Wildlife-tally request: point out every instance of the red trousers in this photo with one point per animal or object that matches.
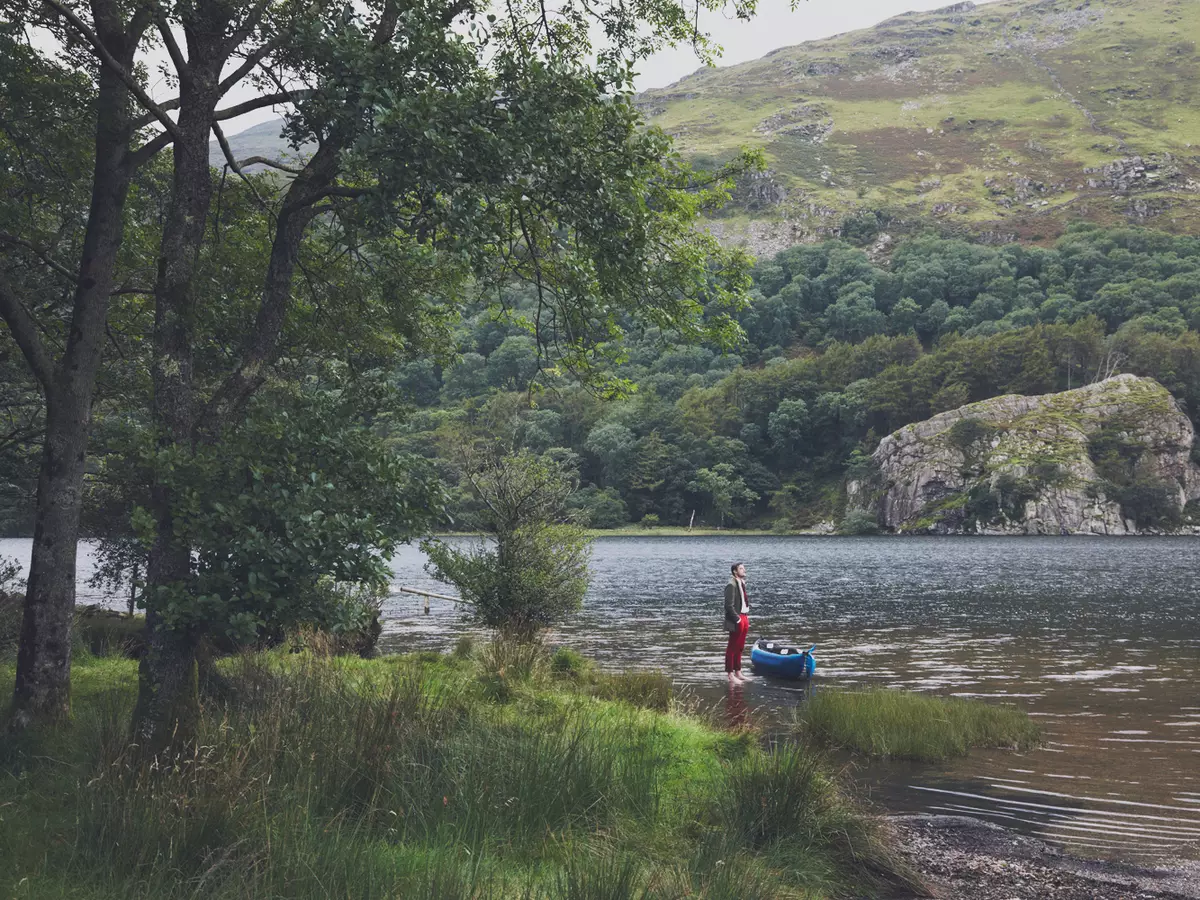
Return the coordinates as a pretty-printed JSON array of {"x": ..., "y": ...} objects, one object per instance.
[{"x": 737, "y": 643}]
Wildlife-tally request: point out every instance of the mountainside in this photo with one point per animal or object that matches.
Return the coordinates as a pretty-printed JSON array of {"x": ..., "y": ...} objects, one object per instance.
[
  {"x": 1006, "y": 120},
  {"x": 1114, "y": 457}
]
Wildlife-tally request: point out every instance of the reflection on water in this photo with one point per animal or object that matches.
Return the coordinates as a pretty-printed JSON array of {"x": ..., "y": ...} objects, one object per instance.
[{"x": 1096, "y": 637}]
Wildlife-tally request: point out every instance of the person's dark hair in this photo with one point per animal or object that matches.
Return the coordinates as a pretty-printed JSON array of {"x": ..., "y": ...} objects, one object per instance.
[{"x": 733, "y": 569}]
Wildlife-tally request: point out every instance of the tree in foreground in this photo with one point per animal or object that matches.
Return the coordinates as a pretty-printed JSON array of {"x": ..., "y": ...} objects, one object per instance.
[
  {"x": 531, "y": 571},
  {"x": 451, "y": 144}
]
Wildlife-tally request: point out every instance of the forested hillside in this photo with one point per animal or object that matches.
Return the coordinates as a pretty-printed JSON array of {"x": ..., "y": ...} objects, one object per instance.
[{"x": 838, "y": 352}]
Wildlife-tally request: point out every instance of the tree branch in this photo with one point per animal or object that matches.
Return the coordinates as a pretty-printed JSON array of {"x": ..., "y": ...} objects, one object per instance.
[
  {"x": 293, "y": 97},
  {"x": 247, "y": 66},
  {"x": 107, "y": 59},
  {"x": 25, "y": 333},
  {"x": 181, "y": 66},
  {"x": 149, "y": 150},
  {"x": 41, "y": 254},
  {"x": 150, "y": 118},
  {"x": 247, "y": 28},
  {"x": 264, "y": 161},
  {"x": 233, "y": 163}
]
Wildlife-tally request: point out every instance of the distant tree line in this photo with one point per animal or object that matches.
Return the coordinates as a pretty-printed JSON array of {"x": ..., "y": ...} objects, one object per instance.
[{"x": 839, "y": 351}]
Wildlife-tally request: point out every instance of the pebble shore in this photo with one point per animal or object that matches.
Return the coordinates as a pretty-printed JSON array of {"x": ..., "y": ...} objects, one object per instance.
[{"x": 960, "y": 858}]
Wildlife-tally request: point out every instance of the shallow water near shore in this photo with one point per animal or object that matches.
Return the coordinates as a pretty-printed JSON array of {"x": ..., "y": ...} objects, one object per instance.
[{"x": 1096, "y": 637}]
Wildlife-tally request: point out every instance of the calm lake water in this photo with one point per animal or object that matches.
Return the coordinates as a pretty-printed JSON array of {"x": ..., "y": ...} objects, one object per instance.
[{"x": 1097, "y": 638}]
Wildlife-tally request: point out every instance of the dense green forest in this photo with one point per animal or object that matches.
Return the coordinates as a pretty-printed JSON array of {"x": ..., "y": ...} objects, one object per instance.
[{"x": 839, "y": 350}]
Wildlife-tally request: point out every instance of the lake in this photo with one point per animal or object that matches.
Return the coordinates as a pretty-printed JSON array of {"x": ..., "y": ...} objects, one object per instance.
[{"x": 1096, "y": 637}]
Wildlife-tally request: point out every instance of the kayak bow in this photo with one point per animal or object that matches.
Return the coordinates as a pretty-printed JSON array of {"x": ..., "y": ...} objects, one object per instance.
[{"x": 773, "y": 658}]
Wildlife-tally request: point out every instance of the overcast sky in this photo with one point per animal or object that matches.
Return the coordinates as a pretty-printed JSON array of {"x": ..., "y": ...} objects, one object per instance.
[{"x": 776, "y": 25}]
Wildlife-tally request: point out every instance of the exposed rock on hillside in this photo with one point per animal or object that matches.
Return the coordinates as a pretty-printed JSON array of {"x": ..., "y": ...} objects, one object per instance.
[{"x": 1115, "y": 457}]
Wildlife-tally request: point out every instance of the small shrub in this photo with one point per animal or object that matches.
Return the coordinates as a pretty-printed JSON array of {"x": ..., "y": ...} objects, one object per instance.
[
  {"x": 12, "y": 605},
  {"x": 464, "y": 647},
  {"x": 859, "y": 522},
  {"x": 534, "y": 571},
  {"x": 11, "y": 612},
  {"x": 969, "y": 436},
  {"x": 530, "y": 579},
  {"x": 1151, "y": 502},
  {"x": 348, "y": 614},
  {"x": 566, "y": 663},
  {"x": 650, "y": 520}
]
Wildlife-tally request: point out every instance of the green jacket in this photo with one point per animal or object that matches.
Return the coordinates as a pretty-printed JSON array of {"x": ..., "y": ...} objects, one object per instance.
[{"x": 733, "y": 604}]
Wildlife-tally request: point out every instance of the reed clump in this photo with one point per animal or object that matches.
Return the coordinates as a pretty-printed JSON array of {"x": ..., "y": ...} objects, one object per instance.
[
  {"x": 903, "y": 725},
  {"x": 406, "y": 777}
]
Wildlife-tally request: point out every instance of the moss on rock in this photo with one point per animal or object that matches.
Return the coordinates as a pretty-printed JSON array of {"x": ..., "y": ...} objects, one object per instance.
[{"x": 1114, "y": 457}]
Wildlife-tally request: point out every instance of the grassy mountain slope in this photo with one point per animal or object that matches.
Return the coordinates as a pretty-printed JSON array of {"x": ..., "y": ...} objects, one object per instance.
[
  {"x": 1007, "y": 119},
  {"x": 264, "y": 139}
]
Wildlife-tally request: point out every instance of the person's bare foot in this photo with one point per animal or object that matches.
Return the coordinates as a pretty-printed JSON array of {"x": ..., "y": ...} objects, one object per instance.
[
  {"x": 741, "y": 679},
  {"x": 733, "y": 679}
]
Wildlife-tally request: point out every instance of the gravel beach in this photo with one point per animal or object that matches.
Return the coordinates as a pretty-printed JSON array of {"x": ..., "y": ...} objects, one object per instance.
[{"x": 960, "y": 858}]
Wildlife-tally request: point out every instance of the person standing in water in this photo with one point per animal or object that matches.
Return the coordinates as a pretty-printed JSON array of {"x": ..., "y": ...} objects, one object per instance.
[{"x": 737, "y": 622}]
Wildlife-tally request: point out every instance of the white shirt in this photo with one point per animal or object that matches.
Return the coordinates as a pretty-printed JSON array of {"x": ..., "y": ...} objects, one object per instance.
[{"x": 742, "y": 588}]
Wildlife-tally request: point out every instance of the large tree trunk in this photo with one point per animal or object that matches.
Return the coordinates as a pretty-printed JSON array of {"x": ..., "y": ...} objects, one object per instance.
[
  {"x": 168, "y": 706},
  {"x": 44, "y": 657},
  {"x": 43, "y": 682}
]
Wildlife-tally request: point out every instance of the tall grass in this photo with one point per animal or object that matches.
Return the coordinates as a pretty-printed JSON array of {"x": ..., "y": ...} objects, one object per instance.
[
  {"x": 319, "y": 777},
  {"x": 903, "y": 725}
]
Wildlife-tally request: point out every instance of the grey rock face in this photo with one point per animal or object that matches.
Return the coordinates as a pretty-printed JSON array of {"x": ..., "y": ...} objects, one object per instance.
[{"x": 927, "y": 469}]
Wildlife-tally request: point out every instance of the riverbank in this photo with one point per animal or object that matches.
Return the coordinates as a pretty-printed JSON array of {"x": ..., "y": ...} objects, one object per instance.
[
  {"x": 492, "y": 773},
  {"x": 960, "y": 858}
]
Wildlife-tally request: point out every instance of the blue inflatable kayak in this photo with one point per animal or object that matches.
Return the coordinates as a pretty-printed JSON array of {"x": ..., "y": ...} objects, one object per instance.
[{"x": 773, "y": 658}]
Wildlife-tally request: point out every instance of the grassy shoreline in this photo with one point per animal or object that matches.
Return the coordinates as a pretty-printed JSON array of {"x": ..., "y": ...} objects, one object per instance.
[
  {"x": 671, "y": 531},
  {"x": 496, "y": 772},
  {"x": 495, "y": 775}
]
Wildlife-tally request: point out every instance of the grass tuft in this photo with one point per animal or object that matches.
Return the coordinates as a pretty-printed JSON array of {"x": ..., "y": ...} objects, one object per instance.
[
  {"x": 647, "y": 690},
  {"x": 903, "y": 725}
]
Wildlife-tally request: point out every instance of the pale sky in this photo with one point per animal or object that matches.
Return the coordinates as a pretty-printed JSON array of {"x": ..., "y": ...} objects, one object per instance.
[{"x": 776, "y": 25}]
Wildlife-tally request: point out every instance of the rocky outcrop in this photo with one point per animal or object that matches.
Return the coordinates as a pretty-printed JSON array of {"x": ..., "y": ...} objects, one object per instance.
[{"x": 1114, "y": 457}]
